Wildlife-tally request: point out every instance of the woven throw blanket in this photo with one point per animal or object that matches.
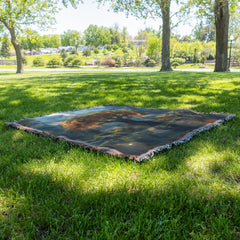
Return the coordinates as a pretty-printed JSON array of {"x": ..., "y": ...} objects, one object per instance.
[{"x": 125, "y": 131}]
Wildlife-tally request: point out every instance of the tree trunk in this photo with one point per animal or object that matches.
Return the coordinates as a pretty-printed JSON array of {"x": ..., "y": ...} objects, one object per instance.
[
  {"x": 17, "y": 48},
  {"x": 221, "y": 12},
  {"x": 165, "y": 8}
]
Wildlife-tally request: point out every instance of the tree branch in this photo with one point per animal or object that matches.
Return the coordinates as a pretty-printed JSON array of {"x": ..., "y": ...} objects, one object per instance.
[{"x": 5, "y": 23}]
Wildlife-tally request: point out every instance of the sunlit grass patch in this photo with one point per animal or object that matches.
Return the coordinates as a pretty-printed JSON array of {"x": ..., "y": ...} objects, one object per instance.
[{"x": 52, "y": 190}]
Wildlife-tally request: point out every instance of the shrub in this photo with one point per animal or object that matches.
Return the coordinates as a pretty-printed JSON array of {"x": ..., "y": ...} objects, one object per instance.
[
  {"x": 54, "y": 62},
  {"x": 211, "y": 57},
  {"x": 109, "y": 48},
  {"x": 153, "y": 48},
  {"x": 74, "y": 51},
  {"x": 63, "y": 54},
  {"x": 131, "y": 46},
  {"x": 76, "y": 62},
  {"x": 180, "y": 54},
  {"x": 126, "y": 59},
  {"x": 73, "y": 61},
  {"x": 138, "y": 62},
  {"x": 68, "y": 60},
  {"x": 175, "y": 64},
  {"x": 178, "y": 60},
  {"x": 24, "y": 60},
  {"x": 119, "y": 60},
  {"x": 150, "y": 62},
  {"x": 97, "y": 62},
  {"x": 38, "y": 62},
  {"x": 122, "y": 45},
  {"x": 195, "y": 56},
  {"x": 109, "y": 61},
  {"x": 96, "y": 50},
  {"x": 86, "y": 52},
  {"x": 105, "y": 52},
  {"x": 115, "y": 46},
  {"x": 125, "y": 50},
  {"x": 203, "y": 59},
  {"x": 118, "y": 52}
]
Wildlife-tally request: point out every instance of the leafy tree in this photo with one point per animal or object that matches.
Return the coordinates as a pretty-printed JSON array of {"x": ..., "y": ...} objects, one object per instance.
[
  {"x": 124, "y": 35},
  {"x": 193, "y": 50},
  {"x": 72, "y": 38},
  {"x": 48, "y": 41},
  {"x": 181, "y": 50},
  {"x": 205, "y": 33},
  {"x": 5, "y": 49},
  {"x": 115, "y": 35},
  {"x": 144, "y": 34},
  {"x": 145, "y": 8},
  {"x": 16, "y": 15},
  {"x": 221, "y": 13},
  {"x": 139, "y": 51},
  {"x": 154, "y": 48},
  {"x": 234, "y": 26},
  {"x": 97, "y": 36},
  {"x": 186, "y": 38},
  {"x": 51, "y": 41},
  {"x": 31, "y": 41},
  {"x": 221, "y": 10}
]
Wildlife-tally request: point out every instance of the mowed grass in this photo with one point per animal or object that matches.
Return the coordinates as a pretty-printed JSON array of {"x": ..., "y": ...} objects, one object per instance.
[{"x": 52, "y": 190}]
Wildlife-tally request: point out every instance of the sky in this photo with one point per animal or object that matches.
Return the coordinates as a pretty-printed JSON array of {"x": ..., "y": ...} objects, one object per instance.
[{"x": 88, "y": 13}]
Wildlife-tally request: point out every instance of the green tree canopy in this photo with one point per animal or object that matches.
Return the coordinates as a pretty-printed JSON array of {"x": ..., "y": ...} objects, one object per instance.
[
  {"x": 31, "y": 40},
  {"x": 71, "y": 38},
  {"x": 154, "y": 48},
  {"x": 220, "y": 10},
  {"x": 17, "y": 15},
  {"x": 145, "y": 34},
  {"x": 51, "y": 41},
  {"x": 5, "y": 49},
  {"x": 205, "y": 32},
  {"x": 145, "y": 9},
  {"x": 97, "y": 36},
  {"x": 234, "y": 25},
  {"x": 124, "y": 35},
  {"x": 115, "y": 35}
]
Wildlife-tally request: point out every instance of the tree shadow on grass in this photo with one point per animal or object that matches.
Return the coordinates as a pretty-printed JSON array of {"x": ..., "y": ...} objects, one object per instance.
[
  {"x": 110, "y": 198},
  {"x": 38, "y": 95},
  {"x": 88, "y": 89},
  {"x": 43, "y": 205}
]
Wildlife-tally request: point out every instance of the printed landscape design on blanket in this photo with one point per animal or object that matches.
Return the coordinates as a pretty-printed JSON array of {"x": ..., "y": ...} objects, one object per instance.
[{"x": 125, "y": 131}]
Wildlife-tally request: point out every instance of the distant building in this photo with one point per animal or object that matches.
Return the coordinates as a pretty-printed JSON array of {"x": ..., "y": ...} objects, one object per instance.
[
  {"x": 67, "y": 48},
  {"x": 137, "y": 43},
  {"x": 33, "y": 52},
  {"x": 82, "y": 48},
  {"x": 102, "y": 47},
  {"x": 48, "y": 50}
]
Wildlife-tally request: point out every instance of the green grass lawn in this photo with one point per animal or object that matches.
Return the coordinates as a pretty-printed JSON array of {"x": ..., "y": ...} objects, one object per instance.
[{"x": 52, "y": 190}]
